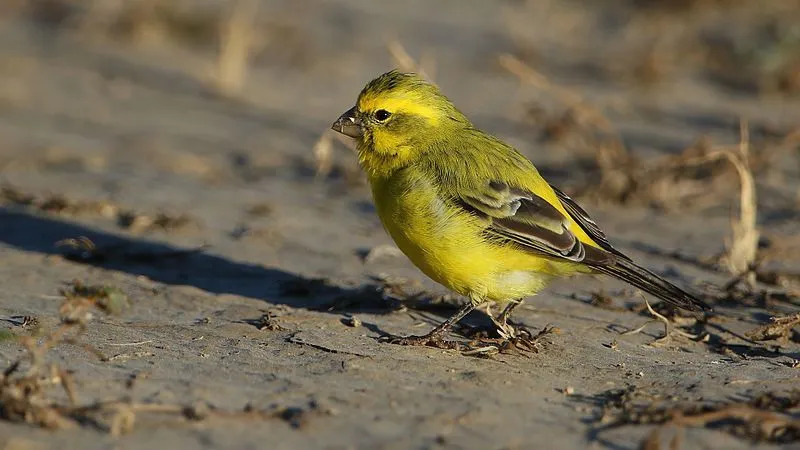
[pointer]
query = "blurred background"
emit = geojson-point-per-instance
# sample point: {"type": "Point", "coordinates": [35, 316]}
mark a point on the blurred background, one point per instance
{"type": "Point", "coordinates": [205, 121]}
{"type": "Point", "coordinates": [180, 151]}
{"type": "Point", "coordinates": [200, 112]}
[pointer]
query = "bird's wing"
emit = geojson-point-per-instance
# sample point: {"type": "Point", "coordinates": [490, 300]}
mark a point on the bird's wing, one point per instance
{"type": "Point", "coordinates": [520, 216]}
{"type": "Point", "coordinates": [586, 223]}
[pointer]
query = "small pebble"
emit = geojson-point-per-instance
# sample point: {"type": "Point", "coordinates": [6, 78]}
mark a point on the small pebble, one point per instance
{"type": "Point", "coordinates": [352, 321]}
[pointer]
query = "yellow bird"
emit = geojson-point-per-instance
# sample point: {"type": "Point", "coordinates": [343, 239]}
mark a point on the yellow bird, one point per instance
{"type": "Point", "coordinates": [469, 210]}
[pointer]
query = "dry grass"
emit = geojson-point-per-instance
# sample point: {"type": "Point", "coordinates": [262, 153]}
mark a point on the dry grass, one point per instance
{"type": "Point", "coordinates": [577, 107]}
{"type": "Point", "coordinates": [326, 164]}
{"type": "Point", "coordinates": [741, 255]}
{"type": "Point", "coordinates": [623, 178]}
{"type": "Point", "coordinates": [769, 417]}
{"type": "Point", "coordinates": [691, 180]}
{"type": "Point", "coordinates": [137, 222]}
{"type": "Point", "coordinates": [26, 384]}
{"type": "Point", "coordinates": [668, 329]}
{"type": "Point", "coordinates": [751, 422]}
{"type": "Point", "coordinates": [425, 67]}
{"type": "Point", "coordinates": [323, 155]}
{"type": "Point", "coordinates": [56, 203]}
{"type": "Point", "coordinates": [140, 223]}
{"type": "Point", "coordinates": [235, 43]}
{"type": "Point", "coordinates": [29, 386]}
{"type": "Point", "coordinates": [779, 329]}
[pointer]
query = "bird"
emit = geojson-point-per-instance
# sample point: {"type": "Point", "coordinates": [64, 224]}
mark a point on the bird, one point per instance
{"type": "Point", "coordinates": [470, 211]}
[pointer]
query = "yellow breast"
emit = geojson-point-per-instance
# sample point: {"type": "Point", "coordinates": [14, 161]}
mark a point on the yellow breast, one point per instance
{"type": "Point", "coordinates": [448, 245]}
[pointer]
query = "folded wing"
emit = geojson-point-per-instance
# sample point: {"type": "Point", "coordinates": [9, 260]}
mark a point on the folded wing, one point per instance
{"type": "Point", "coordinates": [520, 216]}
{"type": "Point", "coordinates": [527, 219]}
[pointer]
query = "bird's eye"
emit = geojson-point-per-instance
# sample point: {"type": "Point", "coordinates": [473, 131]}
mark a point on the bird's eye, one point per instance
{"type": "Point", "coordinates": [382, 115]}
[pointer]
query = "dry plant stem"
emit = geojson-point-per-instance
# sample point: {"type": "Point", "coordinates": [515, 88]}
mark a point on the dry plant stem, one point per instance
{"type": "Point", "coordinates": [745, 234]}
{"type": "Point", "coordinates": [668, 330]}
{"type": "Point", "coordinates": [485, 350]}
{"type": "Point", "coordinates": [405, 62]}
{"type": "Point", "coordinates": [742, 253]}
{"type": "Point", "coordinates": [767, 421]}
{"type": "Point", "coordinates": [323, 152]}
{"type": "Point", "coordinates": [25, 396]}
{"type": "Point", "coordinates": [236, 35]}
{"type": "Point", "coordinates": [567, 96]}
{"type": "Point", "coordinates": [126, 344]}
{"type": "Point", "coordinates": [780, 328]}
{"type": "Point", "coordinates": [427, 60]}
{"type": "Point", "coordinates": [323, 155]}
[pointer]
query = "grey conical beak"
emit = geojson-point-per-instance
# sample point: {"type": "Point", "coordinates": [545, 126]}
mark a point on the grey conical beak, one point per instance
{"type": "Point", "coordinates": [348, 124]}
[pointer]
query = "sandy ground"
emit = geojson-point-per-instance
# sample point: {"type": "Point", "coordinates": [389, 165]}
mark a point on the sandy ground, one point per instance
{"type": "Point", "coordinates": [121, 127]}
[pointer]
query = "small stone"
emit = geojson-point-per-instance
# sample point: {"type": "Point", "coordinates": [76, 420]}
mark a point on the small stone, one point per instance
{"type": "Point", "coordinates": [352, 321]}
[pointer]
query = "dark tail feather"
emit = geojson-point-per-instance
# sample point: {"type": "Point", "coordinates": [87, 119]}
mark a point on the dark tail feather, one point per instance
{"type": "Point", "coordinates": [651, 283]}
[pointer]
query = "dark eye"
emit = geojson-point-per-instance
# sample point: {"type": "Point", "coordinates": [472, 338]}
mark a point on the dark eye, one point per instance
{"type": "Point", "coordinates": [382, 115]}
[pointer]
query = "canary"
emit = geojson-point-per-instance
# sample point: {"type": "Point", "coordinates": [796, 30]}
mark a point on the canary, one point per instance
{"type": "Point", "coordinates": [469, 210]}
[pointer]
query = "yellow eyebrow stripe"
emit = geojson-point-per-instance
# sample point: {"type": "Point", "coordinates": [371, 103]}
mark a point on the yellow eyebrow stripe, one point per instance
{"type": "Point", "coordinates": [403, 105]}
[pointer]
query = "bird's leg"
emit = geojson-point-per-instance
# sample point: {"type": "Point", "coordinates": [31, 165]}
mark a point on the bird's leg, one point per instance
{"type": "Point", "coordinates": [434, 338]}
{"type": "Point", "coordinates": [504, 329]}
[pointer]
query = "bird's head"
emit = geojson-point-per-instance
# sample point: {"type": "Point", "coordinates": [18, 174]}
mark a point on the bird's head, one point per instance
{"type": "Point", "coordinates": [397, 117]}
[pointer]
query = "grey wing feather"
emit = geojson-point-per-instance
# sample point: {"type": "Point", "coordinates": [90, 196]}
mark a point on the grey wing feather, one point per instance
{"type": "Point", "coordinates": [525, 218]}
{"type": "Point", "coordinates": [588, 225]}
{"type": "Point", "coordinates": [519, 216]}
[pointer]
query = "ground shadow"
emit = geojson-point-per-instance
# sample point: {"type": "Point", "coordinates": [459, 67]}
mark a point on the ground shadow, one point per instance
{"type": "Point", "coordinates": [170, 264]}
{"type": "Point", "coordinates": [196, 267]}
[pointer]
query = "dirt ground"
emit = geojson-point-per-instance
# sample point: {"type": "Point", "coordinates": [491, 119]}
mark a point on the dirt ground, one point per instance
{"type": "Point", "coordinates": [141, 165]}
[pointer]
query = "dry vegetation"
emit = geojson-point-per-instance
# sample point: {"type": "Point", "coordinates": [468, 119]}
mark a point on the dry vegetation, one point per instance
{"type": "Point", "coordinates": [767, 417]}
{"type": "Point", "coordinates": [692, 180]}
{"type": "Point", "coordinates": [662, 183]}
{"type": "Point", "coordinates": [236, 35]}
{"type": "Point", "coordinates": [29, 386]}
{"type": "Point", "coordinates": [231, 33]}
{"type": "Point", "coordinates": [125, 218]}
{"type": "Point", "coordinates": [763, 60]}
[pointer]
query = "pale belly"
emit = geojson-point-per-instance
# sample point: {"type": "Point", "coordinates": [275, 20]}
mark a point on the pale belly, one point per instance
{"type": "Point", "coordinates": [446, 244]}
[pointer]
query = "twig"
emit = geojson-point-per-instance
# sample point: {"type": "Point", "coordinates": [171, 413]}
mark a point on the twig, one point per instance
{"type": "Point", "coordinates": [236, 35]}
{"type": "Point", "coordinates": [742, 253]}
{"type": "Point", "coordinates": [323, 155]}
{"type": "Point", "coordinates": [567, 96]}
{"type": "Point", "coordinates": [766, 423]}
{"type": "Point", "coordinates": [125, 344]}
{"type": "Point", "coordinates": [668, 330]}
{"type": "Point", "coordinates": [405, 62]}
{"type": "Point", "coordinates": [778, 329]}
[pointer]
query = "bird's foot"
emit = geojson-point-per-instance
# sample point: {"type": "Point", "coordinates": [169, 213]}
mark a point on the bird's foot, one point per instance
{"type": "Point", "coordinates": [514, 339]}
{"type": "Point", "coordinates": [429, 340]}
{"type": "Point", "coordinates": [506, 330]}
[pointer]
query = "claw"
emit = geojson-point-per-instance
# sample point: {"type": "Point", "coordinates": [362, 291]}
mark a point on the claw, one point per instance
{"type": "Point", "coordinates": [504, 329]}
{"type": "Point", "coordinates": [516, 340]}
{"type": "Point", "coordinates": [435, 341]}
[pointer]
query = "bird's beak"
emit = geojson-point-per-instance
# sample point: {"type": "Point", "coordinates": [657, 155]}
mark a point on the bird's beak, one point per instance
{"type": "Point", "coordinates": [348, 124]}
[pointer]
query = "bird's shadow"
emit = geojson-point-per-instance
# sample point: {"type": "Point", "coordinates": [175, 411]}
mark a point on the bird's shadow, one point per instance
{"type": "Point", "coordinates": [168, 264]}
{"type": "Point", "coordinates": [173, 265]}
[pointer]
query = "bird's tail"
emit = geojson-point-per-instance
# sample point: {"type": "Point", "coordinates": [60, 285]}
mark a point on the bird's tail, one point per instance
{"type": "Point", "coordinates": [638, 276]}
